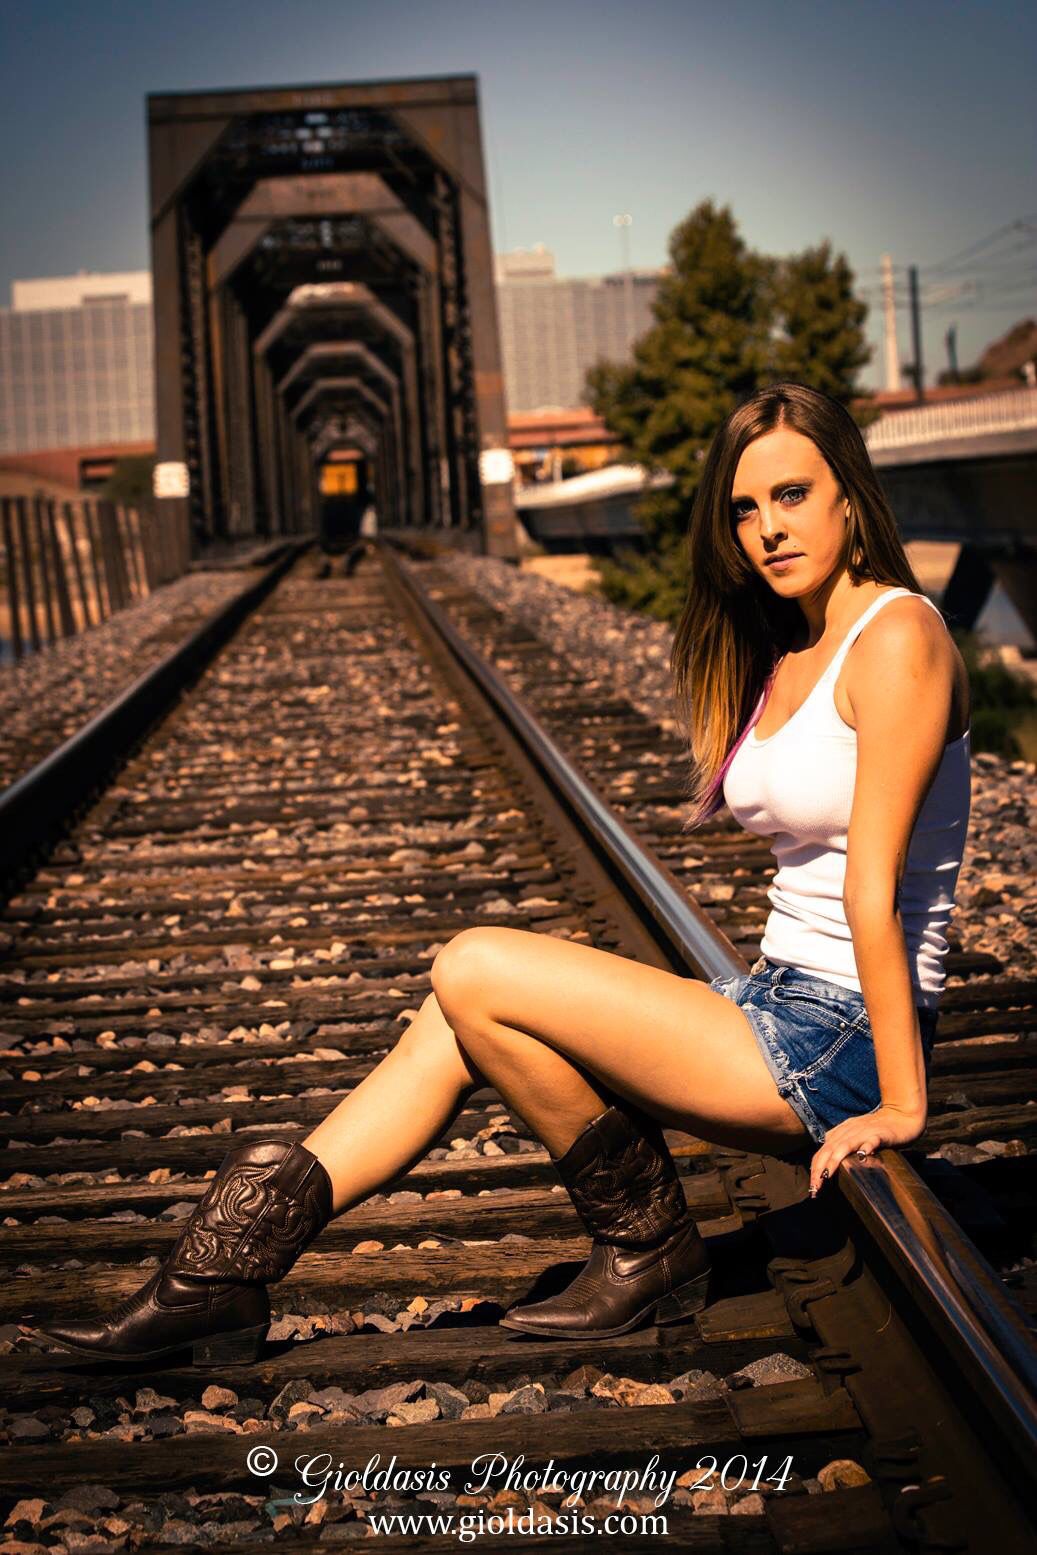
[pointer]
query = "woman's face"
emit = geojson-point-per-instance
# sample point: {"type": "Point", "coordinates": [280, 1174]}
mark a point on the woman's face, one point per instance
{"type": "Point", "coordinates": [785, 501]}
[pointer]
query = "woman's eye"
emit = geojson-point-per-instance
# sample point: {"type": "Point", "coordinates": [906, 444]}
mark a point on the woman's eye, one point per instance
{"type": "Point", "coordinates": [742, 510]}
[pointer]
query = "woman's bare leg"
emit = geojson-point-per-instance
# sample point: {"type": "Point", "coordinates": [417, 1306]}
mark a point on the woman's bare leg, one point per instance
{"type": "Point", "coordinates": [679, 1050]}
{"type": "Point", "coordinates": [395, 1114]}
{"type": "Point", "coordinates": [559, 1029]}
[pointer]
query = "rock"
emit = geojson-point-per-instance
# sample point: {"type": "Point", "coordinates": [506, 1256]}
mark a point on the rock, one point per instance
{"type": "Point", "coordinates": [292, 1393]}
{"type": "Point", "coordinates": [330, 1398]}
{"type": "Point", "coordinates": [712, 1501]}
{"type": "Point", "coordinates": [67, 1518]}
{"type": "Point", "coordinates": [147, 1401]}
{"type": "Point", "coordinates": [842, 1474]}
{"type": "Point", "coordinates": [452, 1402]}
{"type": "Point", "coordinates": [202, 1420]}
{"type": "Point", "coordinates": [376, 1402]}
{"type": "Point", "coordinates": [524, 1401]}
{"type": "Point", "coordinates": [959, 1154]}
{"type": "Point", "coordinates": [695, 1386]}
{"type": "Point", "coordinates": [749, 1506]}
{"type": "Point", "coordinates": [27, 1511]}
{"type": "Point", "coordinates": [89, 1498]}
{"type": "Point", "coordinates": [416, 1413]}
{"type": "Point", "coordinates": [581, 1379]}
{"type": "Point", "coordinates": [384, 1325]}
{"type": "Point", "coordinates": [628, 1390]}
{"type": "Point", "coordinates": [217, 1398]}
{"type": "Point", "coordinates": [284, 1327]}
{"type": "Point", "coordinates": [175, 1531]}
{"type": "Point", "coordinates": [88, 1543]}
{"type": "Point", "coordinates": [773, 1368]}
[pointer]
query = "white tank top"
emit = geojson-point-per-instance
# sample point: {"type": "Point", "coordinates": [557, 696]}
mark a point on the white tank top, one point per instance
{"type": "Point", "coordinates": [796, 786]}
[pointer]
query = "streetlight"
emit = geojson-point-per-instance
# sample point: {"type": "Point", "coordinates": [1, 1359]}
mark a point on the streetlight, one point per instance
{"type": "Point", "coordinates": [624, 223]}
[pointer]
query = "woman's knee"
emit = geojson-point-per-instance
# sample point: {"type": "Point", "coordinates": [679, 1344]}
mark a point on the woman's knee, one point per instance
{"type": "Point", "coordinates": [464, 966]}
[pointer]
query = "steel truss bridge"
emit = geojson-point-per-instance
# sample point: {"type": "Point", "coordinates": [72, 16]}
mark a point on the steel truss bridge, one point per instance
{"type": "Point", "coordinates": [324, 295]}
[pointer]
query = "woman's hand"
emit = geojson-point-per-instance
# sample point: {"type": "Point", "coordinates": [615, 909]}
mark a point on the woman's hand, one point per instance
{"type": "Point", "coordinates": [885, 1126]}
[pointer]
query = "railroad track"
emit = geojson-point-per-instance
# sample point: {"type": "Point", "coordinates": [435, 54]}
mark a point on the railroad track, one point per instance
{"type": "Point", "coordinates": [230, 937]}
{"type": "Point", "coordinates": [47, 697]}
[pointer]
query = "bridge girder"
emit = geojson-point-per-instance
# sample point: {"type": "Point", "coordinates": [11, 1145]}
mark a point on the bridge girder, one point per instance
{"type": "Point", "coordinates": [228, 170]}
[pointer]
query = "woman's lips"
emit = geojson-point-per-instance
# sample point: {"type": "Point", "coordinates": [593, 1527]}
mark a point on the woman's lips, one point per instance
{"type": "Point", "coordinates": [782, 561]}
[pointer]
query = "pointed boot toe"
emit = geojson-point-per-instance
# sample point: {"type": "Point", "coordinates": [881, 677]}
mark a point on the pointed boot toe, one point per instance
{"type": "Point", "coordinates": [265, 1205]}
{"type": "Point", "coordinates": [648, 1261]}
{"type": "Point", "coordinates": [87, 1336]}
{"type": "Point", "coordinates": [170, 1314]}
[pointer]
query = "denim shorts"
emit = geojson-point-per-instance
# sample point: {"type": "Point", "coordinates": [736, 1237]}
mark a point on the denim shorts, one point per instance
{"type": "Point", "coordinates": [816, 1040]}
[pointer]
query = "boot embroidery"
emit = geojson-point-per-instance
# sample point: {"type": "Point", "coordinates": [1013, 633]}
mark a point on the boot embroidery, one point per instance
{"type": "Point", "coordinates": [245, 1228]}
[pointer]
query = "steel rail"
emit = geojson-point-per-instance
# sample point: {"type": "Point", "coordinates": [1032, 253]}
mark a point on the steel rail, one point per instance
{"type": "Point", "coordinates": [987, 1333]}
{"type": "Point", "coordinates": [695, 938]}
{"type": "Point", "coordinates": [982, 1327]}
{"type": "Point", "coordinates": [37, 806]}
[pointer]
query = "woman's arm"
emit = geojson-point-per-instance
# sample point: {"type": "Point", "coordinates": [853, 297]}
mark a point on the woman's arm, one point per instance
{"type": "Point", "coordinates": [900, 684]}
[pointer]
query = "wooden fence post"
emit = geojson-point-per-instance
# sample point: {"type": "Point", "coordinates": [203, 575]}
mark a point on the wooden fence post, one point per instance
{"type": "Point", "coordinates": [93, 530]}
{"type": "Point", "coordinates": [64, 601]}
{"type": "Point", "coordinates": [109, 540]}
{"type": "Point", "coordinates": [22, 510]}
{"type": "Point", "coordinates": [17, 644]}
{"type": "Point", "coordinates": [69, 517]}
{"type": "Point", "coordinates": [41, 557]}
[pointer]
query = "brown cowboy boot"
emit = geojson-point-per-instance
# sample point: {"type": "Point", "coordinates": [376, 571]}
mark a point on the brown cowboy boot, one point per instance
{"type": "Point", "coordinates": [267, 1202]}
{"type": "Point", "coordinates": [648, 1259]}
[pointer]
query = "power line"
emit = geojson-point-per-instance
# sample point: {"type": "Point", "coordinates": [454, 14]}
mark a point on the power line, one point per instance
{"type": "Point", "coordinates": [1021, 223]}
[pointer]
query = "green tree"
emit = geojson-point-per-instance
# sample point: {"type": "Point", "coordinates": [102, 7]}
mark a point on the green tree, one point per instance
{"type": "Point", "coordinates": [818, 325]}
{"type": "Point", "coordinates": [1001, 700]}
{"type": "Point", "coordinates": [706, 351]}
{"type": "Point", "coordinates": [728, 322]}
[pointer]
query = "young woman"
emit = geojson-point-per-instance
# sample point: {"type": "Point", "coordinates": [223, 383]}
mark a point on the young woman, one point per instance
{"type": "Point", "coordinates": [805, 629]}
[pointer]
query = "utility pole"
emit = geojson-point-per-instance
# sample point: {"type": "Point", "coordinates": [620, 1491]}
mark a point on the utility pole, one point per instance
{"type": "Point", "coordinates": [889, 310]}
{"type": "Point", "coordinates": [916, 332]}
{"type": "Point", "coordinates": [950, 340]}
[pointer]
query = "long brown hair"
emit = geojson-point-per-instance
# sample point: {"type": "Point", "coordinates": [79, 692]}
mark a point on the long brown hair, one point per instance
{"type": "Point", "coordinates": [734, 628]}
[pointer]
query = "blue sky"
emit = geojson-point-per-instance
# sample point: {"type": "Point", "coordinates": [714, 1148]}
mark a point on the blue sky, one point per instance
{"type": "Point", "coordinates": [906, 128]}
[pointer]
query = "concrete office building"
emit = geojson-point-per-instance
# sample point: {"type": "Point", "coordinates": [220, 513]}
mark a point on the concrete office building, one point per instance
{"type": "Point", "coordinates": [552, 330]}
{"type": "Point", "coordinates": [77, 362]}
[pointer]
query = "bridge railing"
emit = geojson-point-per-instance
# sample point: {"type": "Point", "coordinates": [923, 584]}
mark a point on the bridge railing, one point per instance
{"type": "Point", "coordinates": [71, 565]}
{"type": "Point", "coordinates": [1009, 410]}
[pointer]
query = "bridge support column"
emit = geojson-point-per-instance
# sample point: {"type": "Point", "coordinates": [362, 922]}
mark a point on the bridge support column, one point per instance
{"type": "Point", "coordinates": [968, 588]}
{"type": "Point", "coordinates": [1017, 574]}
